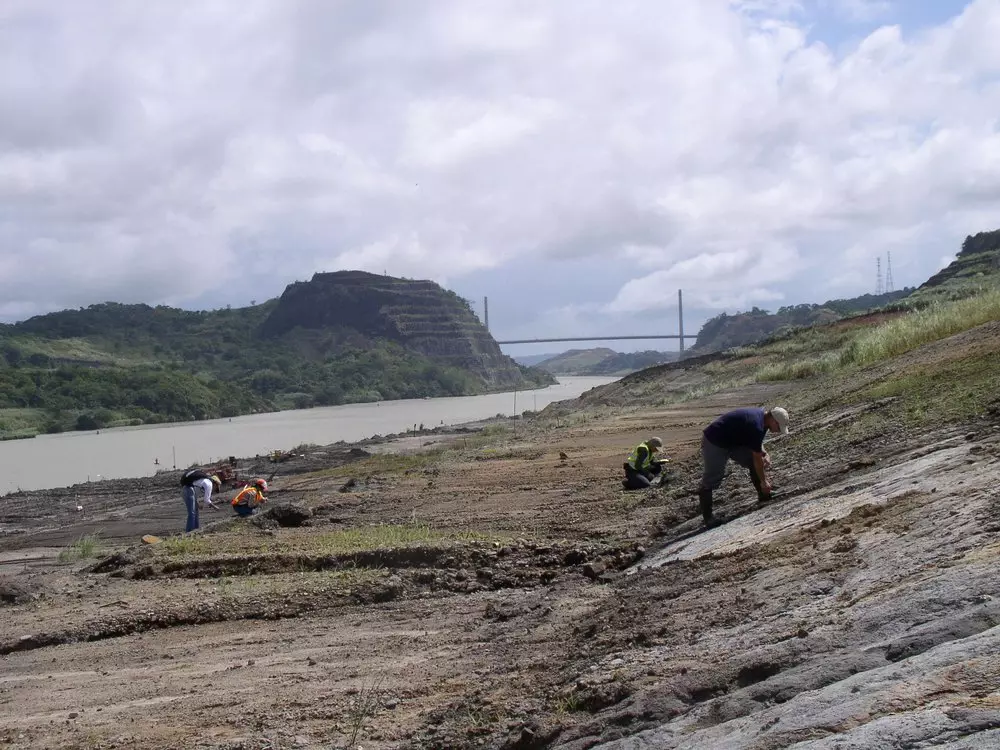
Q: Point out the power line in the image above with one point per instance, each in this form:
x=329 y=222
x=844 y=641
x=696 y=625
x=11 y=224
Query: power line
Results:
x=878 y=277
x=888 y=273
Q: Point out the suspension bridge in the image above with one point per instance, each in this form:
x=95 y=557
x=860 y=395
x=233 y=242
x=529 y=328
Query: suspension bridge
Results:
x=679 y=336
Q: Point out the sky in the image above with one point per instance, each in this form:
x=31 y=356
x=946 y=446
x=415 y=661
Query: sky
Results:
x=575 y=161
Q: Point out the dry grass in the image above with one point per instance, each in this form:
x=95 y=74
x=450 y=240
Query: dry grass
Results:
x=935 y=322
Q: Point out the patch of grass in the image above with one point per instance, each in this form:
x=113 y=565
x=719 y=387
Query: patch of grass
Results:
x=363 y=538
x=308 y=542
x=947 y=392
x=709 y=389
x=815 y=340
x=21 y=423
x=798 y=369
x=567 y=704
x=495 y=429
x=178 y=546
x=932 y=323
x=83 y=548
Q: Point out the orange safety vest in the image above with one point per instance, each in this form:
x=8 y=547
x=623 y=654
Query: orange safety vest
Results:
x=249 y=495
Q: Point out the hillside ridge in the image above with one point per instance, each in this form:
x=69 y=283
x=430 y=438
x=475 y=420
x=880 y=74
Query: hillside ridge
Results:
x=342 y=337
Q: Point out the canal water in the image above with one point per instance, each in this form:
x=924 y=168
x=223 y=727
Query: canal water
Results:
x=50 y=461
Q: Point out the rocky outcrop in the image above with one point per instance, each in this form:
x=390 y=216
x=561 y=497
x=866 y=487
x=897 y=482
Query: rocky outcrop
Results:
x=418 y=315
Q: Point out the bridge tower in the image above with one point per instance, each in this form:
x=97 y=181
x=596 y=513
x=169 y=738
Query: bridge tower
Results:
x=680 y=318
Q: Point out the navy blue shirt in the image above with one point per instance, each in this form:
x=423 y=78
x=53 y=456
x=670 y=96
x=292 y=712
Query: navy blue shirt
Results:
x=740 y=428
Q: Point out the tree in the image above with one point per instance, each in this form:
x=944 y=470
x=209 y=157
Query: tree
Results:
x=12 y=354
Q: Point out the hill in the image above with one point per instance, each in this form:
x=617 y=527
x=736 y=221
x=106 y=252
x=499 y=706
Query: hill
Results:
x=575 y=361
x=602 y=361
x=340 y=338
x=533 y=360
x=725 y=331
x=622 y=363
x=976 y=268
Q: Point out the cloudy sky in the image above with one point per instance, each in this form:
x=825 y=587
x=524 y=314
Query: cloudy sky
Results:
x=577 y=161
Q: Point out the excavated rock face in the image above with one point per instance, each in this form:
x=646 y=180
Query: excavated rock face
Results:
x=860 y=612
x=418 y=315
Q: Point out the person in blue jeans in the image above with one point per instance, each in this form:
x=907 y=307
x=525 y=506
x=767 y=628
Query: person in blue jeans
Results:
x=191 y=481
x=738 y=435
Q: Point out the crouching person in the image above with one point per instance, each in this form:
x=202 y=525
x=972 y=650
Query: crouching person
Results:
x=642 y=465
x=250 y=497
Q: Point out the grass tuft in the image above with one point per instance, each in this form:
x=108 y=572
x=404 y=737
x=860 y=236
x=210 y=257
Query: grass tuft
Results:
x=83 y=548
x=177 y=546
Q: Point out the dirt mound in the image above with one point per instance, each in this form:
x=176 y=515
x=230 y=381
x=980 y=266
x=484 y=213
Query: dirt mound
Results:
x=13 y=591
x=286 y=515
x=120 y=560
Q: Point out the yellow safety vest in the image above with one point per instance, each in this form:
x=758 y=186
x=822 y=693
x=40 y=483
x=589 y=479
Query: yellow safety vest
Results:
x=633 y=457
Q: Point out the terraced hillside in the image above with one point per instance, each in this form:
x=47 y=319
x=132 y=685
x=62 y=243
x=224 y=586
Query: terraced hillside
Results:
x=341 y=338
x=418 y=315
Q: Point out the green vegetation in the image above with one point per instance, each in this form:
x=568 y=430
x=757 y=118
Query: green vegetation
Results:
x=728 y=331
x=962 y=296
x=952 y=391
x=797 y=370
x=363 y=706
x=842 y=351
x=825 y=349
x=341 y=338
x=83 y=548
x=931 y=323
x=601 y=361
x=182 y=546
x=239 y=541
x=575 y=361
x=625 y=362
x=362 y=538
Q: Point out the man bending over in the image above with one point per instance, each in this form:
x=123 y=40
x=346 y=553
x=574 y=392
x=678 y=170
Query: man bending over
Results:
x=738 y=435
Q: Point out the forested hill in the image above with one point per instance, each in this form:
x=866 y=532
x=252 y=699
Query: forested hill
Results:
x=339 y=338
x=726 y=331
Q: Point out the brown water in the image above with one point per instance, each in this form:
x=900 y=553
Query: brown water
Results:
x=61 y=460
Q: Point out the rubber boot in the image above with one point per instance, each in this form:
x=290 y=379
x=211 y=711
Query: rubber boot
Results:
x=762 y=497
x=705 y=500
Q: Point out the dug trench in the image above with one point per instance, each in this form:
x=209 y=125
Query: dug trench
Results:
x=508 y=594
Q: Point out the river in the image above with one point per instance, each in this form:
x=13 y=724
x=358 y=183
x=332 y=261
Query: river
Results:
x=50 y=461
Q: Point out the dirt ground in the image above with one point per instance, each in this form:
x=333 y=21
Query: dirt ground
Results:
x=542 y=607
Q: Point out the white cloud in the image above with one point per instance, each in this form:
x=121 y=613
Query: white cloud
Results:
x=861 y=10
x=718 y=145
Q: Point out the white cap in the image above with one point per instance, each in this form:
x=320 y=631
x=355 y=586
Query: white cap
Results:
x=781 y=417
